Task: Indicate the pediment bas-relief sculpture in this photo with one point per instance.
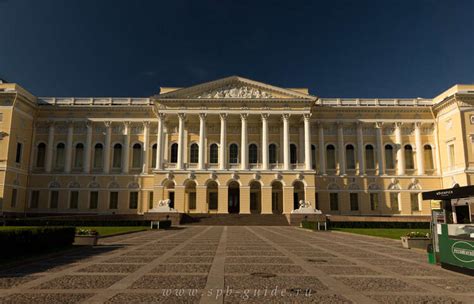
(236, 92)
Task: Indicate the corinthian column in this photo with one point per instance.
(108, 139)
(179, 164)
(88, 148)
(50, 148)
(379, 142)
(126, 147)
(322, 155)
(360, 147)
(146, 146)
(222, 150)
(286, 141)
(68, 159)
(159, 142)
(265, 141)
(340, 144)
(307, 142)
(400, 155)
(419, 149)
(243, 144)
(202, 142)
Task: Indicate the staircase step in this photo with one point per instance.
(235, 219)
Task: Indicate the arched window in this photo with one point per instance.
(137, 156)
(272, 153)
(369, 157)
(389, 159)
(153, 155)
(98, 155)
(253, 154)
(213, 154)
(59, 163)
(293, 155)
(428, 156)
(194, 153)
(409, 162)
(331, 157)
(313, 156)
(40, 155)
(233, 154)
(79, 156)
(350, 157)
(117, 156)
(174, 153)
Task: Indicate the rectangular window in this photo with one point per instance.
(133, 202)
(14, 197)
(374, 201)
(354, 200)
(316, 200)
(54, 199)
(415, 206)
(451, 160)
(192, 200)
(74, 200)
(34, 199)
(113, 200)
(334, 201)
(19, 147)
(150, 200)
(394, 201)
(93, 199)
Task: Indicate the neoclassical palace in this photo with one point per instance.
(232, 145)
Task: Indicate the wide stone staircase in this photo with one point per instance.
(234, 219)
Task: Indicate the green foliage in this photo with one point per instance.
(308, 225)
(83, 231)
(398, 225)
(106, 231)
(391, 233)
(22, 241)
(417, 234)
(74, 222)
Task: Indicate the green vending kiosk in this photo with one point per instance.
(453, 227)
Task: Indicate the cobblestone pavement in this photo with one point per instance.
(236, 264)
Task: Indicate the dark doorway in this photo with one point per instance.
(234, 198)
(171, 197)
(462, 214)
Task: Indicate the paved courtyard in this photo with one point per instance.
(235, 264)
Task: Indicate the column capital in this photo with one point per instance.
(244, 116)
(89, 124)
(202, 116)
(223, 116)
(107, 124)
(69, 123)
(161, 116)
(146, 124)
(265, 116)
(307, 116)
(359, 124)
(398, 124)
(181, 116)
(339, 124)
(417, 124)
(286, 116)
(379, 125)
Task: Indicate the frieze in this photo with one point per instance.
(236, 92)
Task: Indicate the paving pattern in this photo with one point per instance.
(199, 264)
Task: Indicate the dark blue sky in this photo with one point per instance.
(336, 48)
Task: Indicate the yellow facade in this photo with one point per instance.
(122, 155)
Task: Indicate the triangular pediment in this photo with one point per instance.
(233, 88)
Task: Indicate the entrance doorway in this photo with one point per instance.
(170, 191)
(277, 197)
(298, 194)
(255, 195)
(234, 197)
